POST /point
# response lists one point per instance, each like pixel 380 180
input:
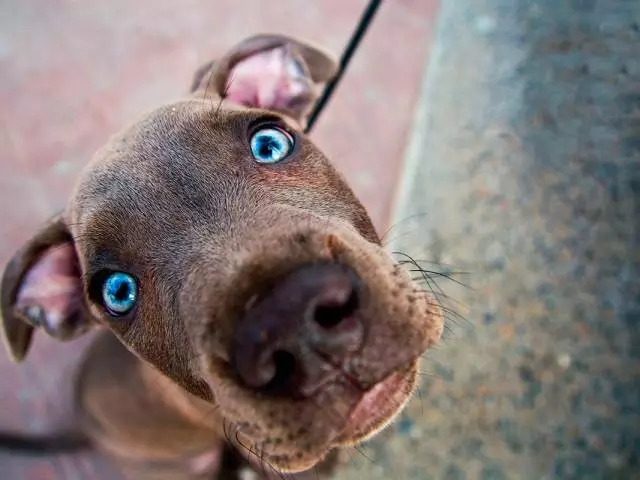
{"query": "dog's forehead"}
pixel 179 151
pixel 185 173
pixel 178 167
pixel 172 135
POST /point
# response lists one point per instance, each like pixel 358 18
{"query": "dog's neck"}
pixel 189 406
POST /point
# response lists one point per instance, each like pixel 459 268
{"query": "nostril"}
pixel 329 314
pixel 285 367
pixel 284 338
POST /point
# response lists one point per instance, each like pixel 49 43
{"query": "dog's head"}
pixel 218 244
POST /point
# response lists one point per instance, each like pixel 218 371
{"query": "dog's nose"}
pixel 293 339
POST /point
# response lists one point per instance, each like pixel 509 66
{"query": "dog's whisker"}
pixel 360 450
pixel 415 216
pixel 446 275
pixel 418 391
pixel 229 424
pixel 267 468
pixel 430 375
pixel 259 456
pixel 444 266
pixel 454 317
pixel 406 258
pixel 440 296
pixel 400 236
pixel 224 94
pixel 433 275
pixel 428 279
pixel 210 84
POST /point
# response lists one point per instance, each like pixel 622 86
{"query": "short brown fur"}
pixel 176 200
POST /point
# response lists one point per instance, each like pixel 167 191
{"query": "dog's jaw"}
pixel 373 385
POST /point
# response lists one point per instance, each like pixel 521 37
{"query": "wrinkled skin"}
pixel 178 201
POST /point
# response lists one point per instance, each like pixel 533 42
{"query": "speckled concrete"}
pixel 525 172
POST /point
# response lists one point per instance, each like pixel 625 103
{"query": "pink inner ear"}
pixel 272 80
pixel 51 292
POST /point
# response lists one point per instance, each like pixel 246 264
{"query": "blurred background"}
pixel 495 142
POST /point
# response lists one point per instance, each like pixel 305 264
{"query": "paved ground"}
pixel 74 72
pixel 525 171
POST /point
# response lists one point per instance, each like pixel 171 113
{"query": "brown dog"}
pixel 243 292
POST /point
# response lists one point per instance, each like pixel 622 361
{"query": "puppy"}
pixel 241 291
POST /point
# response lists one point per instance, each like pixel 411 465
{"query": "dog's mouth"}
pixel 374 410
pixel 378 407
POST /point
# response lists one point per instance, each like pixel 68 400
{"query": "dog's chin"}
pixel 375 410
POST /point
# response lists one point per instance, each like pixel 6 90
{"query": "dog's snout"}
pixel 293 339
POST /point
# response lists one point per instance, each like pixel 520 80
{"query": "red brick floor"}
pixel 73 72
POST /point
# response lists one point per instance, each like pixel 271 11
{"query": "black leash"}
pixel 361 29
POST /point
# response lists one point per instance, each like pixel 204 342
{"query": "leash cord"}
pixel 350 49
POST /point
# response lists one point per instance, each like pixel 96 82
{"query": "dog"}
pixel 241 291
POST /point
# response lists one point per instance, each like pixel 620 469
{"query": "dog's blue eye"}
pixel 271 145
pixel 119 293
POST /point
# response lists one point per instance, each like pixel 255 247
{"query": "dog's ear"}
pixel 272 72
pixel 42 287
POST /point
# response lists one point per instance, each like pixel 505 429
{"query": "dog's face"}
pixel 220 245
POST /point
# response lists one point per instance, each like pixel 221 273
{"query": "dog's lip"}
pixel 377 407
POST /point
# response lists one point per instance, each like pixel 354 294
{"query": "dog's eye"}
pixel 119 293
pixel 271 145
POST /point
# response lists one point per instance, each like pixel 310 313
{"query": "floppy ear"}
pixel 42 287
pixel 273 72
